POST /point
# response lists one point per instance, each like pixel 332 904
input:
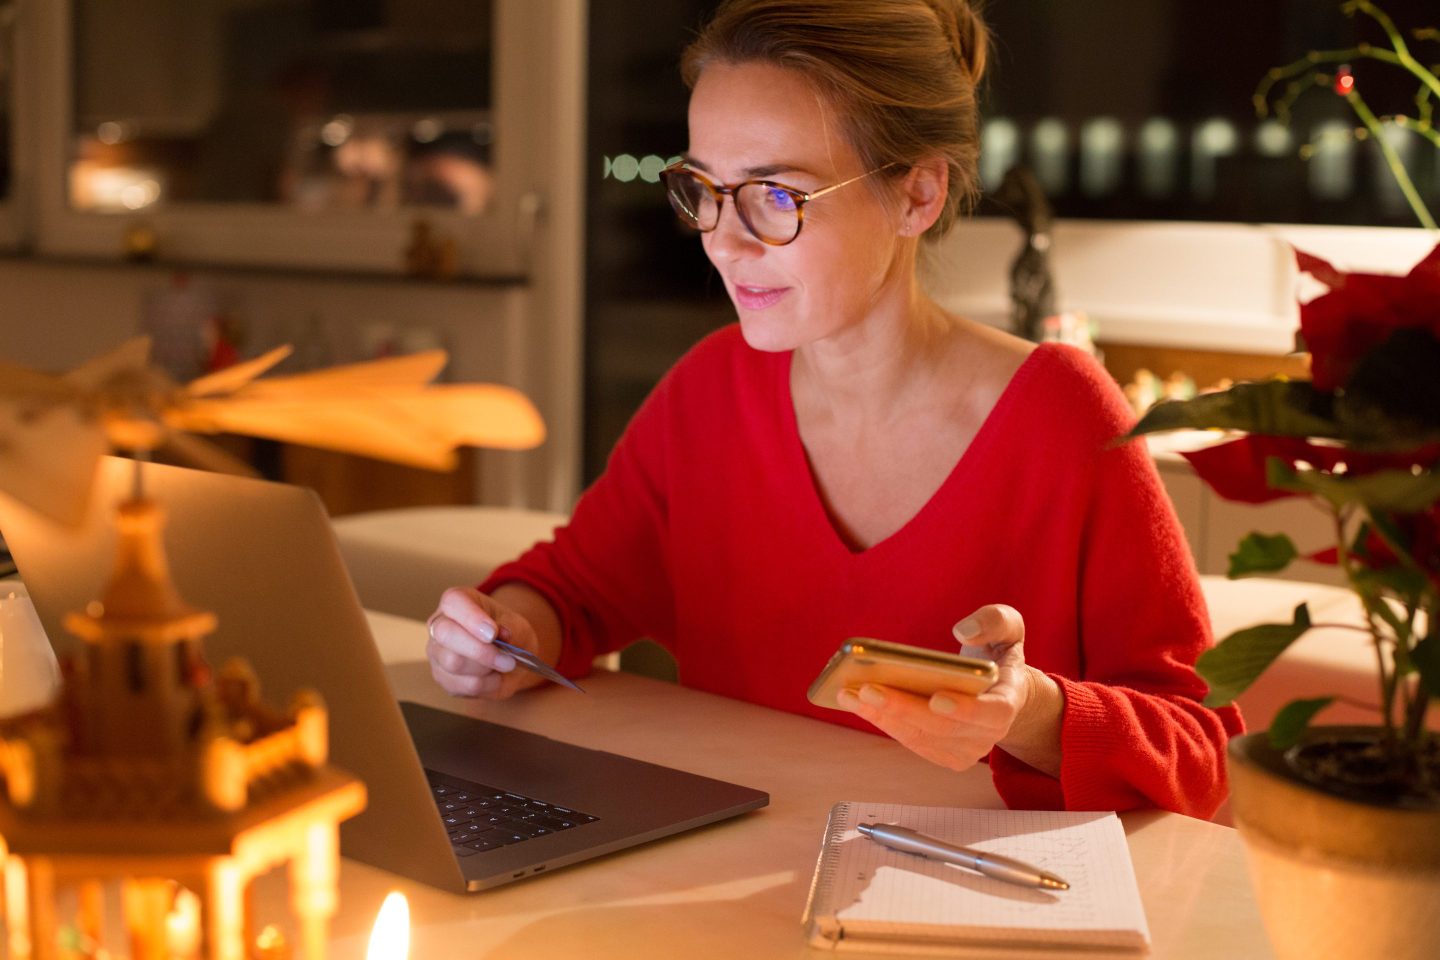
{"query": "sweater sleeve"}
pixel 606 574
pixel 1134 731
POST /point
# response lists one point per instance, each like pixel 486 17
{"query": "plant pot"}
pixel 1333 876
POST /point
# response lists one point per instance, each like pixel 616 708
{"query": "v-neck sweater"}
pixel 707 534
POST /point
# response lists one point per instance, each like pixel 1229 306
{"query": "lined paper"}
pixel 864 890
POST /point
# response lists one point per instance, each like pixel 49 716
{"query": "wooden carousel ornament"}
pixel 179 786
pixel 149 773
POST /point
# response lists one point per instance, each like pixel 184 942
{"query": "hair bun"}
pixel 968 36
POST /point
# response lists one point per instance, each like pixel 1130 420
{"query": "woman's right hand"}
pixel 463 660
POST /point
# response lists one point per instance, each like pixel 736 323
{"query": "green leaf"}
pixel 1261 553
pixel 1425 656
pixel 1399 491
pixel 1374 600
pixel 1368 427
pixel 1291 721
pixel 1235 662
pixel 1284 408
pixel 1402 582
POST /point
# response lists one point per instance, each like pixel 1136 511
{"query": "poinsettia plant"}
pixel 1362 439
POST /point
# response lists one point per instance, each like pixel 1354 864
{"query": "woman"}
pixel 851 460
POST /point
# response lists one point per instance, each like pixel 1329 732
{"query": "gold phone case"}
pixel 916 669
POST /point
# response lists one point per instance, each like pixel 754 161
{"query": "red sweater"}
pixel 706 534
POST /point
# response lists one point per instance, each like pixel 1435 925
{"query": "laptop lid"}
pixel 263 557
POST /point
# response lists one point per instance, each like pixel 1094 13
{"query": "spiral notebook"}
pixel 868 897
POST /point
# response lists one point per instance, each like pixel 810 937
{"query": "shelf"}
pixel 166 266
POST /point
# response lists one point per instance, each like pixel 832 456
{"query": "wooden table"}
pixel 736 890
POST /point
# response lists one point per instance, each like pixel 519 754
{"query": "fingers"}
pixel 937 714
pixel 466 622
pixel 463 660
pixel 988 630
pixel 467 685
pixel 881 706
pixel 462 651
pixel 952 729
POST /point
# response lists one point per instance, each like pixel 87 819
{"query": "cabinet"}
pixel 511 313
pixel 307 133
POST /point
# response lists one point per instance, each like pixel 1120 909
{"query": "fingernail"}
pixel 504 662
pixel 847 699
pixel 872 695
pixel 966 629
pixel 486 632
pixel 942 704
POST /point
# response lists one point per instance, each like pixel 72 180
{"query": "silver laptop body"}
pixel 262 556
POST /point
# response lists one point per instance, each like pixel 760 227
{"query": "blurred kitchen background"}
pixel 365 177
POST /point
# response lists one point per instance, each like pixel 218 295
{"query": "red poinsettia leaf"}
pixel 1343 325
pixel 1360 312
pixel 1425 545
pixel 1236 470
pixel 1418 301
pixel 1372 553
pixel 1429 266
pixel 1323 323
pixel 1319 269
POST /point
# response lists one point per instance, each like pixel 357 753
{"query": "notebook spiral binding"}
pixel 825 872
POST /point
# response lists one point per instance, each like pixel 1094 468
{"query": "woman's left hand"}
pixel 957 730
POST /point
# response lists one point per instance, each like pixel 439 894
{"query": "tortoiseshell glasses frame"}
pixel 772 212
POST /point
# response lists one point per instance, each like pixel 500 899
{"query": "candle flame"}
pixel 182 924
pixel 390 939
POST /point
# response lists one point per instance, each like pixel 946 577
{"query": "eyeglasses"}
pixel 772 212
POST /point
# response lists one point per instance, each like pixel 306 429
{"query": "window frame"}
pixel 495 244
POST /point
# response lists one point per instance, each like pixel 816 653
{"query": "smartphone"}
pixel 916 669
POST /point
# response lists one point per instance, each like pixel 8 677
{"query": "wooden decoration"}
pixel 178 787
pixel 53 429
pixel 150 778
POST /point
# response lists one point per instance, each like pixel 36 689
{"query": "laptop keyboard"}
pixel 481 818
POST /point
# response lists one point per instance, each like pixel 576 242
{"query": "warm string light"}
pixel 1344 80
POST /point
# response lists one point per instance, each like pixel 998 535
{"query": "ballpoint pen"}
pixel 990 864
pixel 529 661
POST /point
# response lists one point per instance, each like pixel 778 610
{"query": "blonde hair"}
pixel 902 74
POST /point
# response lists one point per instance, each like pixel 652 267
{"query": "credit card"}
pixel 531 662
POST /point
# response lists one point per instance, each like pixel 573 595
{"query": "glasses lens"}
pixel 691 199
pixel 771 212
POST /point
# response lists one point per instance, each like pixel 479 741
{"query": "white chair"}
pixel 401 560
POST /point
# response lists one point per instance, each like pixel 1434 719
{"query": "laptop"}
pixel 454 801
